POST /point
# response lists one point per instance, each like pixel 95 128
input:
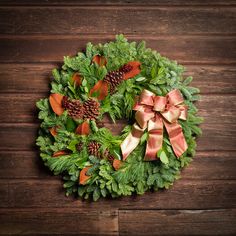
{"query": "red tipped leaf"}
pixel 60 153
pixel 76 78
pixel 55 101
pixel 83 177
pixel 117 164
pixel 83 129
pixel 100 60
pixel 100 89
pixel 135 69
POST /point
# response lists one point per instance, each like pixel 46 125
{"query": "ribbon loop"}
pixel 175 97
pixel 131 141
pixel 153 113
pixel 159 103
pixel 146 98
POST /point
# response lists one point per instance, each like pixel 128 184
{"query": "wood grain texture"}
pixel 206 165
pixel 53 48
pixel 34 20
pixel 178 222
pixel 72 3
pixel 191 194
pixel 58 221
pixel 209 79
pixel 26 164
pixel 34 37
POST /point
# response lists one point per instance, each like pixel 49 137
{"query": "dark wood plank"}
pixel 213 79
pixel 15 77
pixel 177 222
pixel 22 108
pixel 23 165
pixel 205 166
pixel 158 20
pixel 4 194
pixel 209 79
pixel 58 221
pixel 185 49
pixel 118 2
pixel 211 165
pixel 184 194
pixel 215 136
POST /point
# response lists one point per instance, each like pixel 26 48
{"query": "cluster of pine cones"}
pixel 90 108
pixel 115 77
pixel 78 110
pixel 93 150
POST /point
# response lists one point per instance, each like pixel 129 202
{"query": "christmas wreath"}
pixel 126 81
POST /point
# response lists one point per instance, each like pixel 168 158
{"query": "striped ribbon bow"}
pixel 153 113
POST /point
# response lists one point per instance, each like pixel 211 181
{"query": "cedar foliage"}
pixel 159 75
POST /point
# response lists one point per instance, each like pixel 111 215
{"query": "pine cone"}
pixel 126 68
pixel 114 78
pixel 91 109
pixel 93 148
pixel 79 146
pixel 108 155
pixel 74 107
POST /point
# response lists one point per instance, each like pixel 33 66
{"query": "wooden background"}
pixel 35 36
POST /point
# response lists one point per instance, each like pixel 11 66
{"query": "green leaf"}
pixel 93 126
pixel 68 184
pixel 86 89
pixel 139 79
pixel 154 71
pixel 96 194
pixel 56 75
pixel 72 145
pixel 84 82
pixel 116 152
pixel 81 190
pixel 70 124
pixel 104 192
pixel 164 158
pixel 144 138
pixel 188 80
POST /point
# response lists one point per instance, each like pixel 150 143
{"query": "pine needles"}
pixel 159 75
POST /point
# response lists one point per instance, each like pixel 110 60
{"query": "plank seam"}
pixel 29 208
pixel 134 33
pixel 115 208
pixel 169 209
pixel 110 36
pixel 120 6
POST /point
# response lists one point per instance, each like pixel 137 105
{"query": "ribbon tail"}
pixel 176 137
pixel 131 141
pixel 155 138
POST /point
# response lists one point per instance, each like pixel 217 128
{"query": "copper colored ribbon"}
pixel 153 113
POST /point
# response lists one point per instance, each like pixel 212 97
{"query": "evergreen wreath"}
pixel 114 78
